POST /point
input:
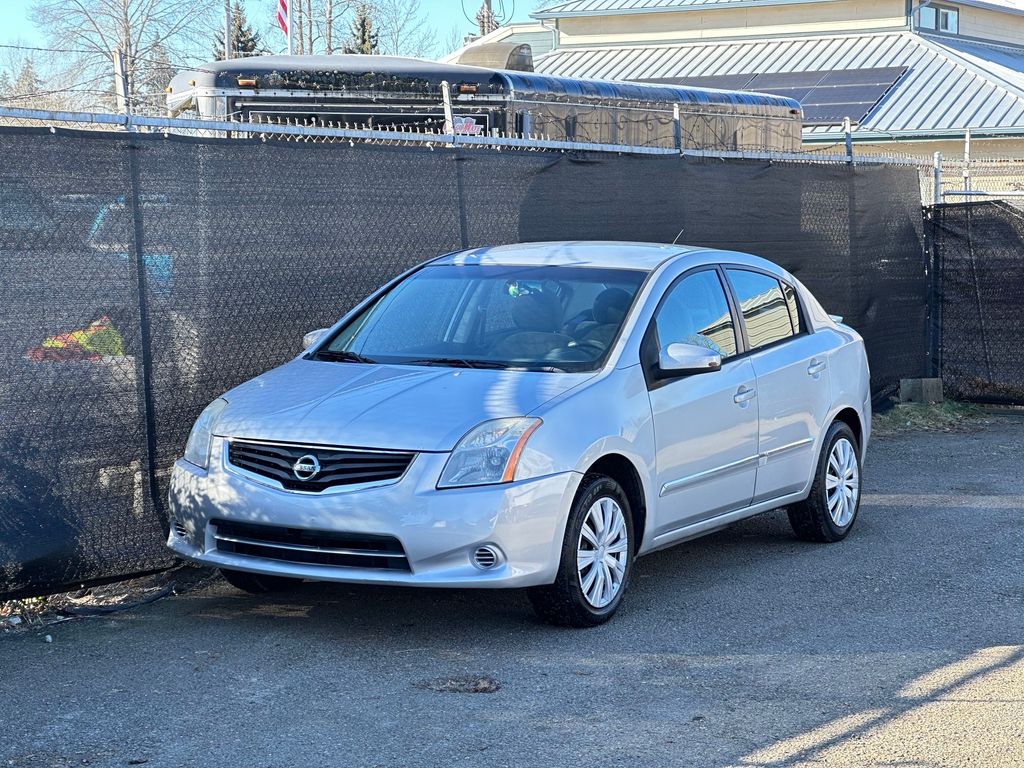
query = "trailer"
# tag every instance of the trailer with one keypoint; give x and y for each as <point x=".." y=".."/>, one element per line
<point x="391" y="92"/>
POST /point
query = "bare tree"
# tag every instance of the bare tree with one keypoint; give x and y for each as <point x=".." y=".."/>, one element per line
<point x="404" y="29"/>
<point x="452" y="41"/>
<point x="328" y="27"/>
<point x="315" y="24"/>
<point x="145" y="30"/>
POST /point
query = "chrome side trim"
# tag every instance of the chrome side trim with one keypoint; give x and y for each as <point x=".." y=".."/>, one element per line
<point x="787" y="447"/>
<point x="761" y="459"/>
<point x="682" y="482"/>
<point x="304" y="547"/>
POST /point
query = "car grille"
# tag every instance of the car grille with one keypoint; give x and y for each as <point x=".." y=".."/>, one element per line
<point x="338" y="466"/>
<point x="310" y="547"/>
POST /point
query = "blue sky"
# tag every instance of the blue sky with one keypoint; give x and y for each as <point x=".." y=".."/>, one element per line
<point x="443" y="14"/>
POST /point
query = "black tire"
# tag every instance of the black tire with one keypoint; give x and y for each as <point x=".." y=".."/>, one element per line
<point x="563" y="603"/>
<point x="258" y="583"/>
<point x="810" y="518"/>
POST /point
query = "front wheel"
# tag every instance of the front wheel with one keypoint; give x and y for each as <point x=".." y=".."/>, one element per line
<point x="597" y="558"/>
<point x="829" y="511"/>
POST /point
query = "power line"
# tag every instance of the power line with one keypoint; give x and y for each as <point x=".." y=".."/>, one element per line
<point x="53" y="50"/>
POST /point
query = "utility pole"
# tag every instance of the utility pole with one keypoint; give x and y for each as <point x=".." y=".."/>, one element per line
<point x="329" y="27"/>
<point x="124" y="102"/>
<point x="227" y="29"/>
<point x="485" y="19"/>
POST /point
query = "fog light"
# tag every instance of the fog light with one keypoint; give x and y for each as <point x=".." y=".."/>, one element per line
<point x="486" y="557"/>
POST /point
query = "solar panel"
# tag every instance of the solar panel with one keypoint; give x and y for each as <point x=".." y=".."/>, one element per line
<point x="787" y="79"/>
<point x="827" y="96"/>
<point x="724" y="82"/>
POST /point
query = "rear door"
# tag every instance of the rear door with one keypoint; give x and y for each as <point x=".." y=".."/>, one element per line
<point x="792" y="369"/>
<point x="705" y="424"/>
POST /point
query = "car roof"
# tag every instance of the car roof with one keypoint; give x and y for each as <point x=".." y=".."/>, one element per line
<point x="583" y="253"/>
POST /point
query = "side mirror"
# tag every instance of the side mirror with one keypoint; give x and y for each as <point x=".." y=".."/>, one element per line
<point x="313" y="337"/>
<point x="686" y="359"/>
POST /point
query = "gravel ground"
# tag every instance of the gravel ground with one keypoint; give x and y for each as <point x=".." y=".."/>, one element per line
<point x="902" y="646"/>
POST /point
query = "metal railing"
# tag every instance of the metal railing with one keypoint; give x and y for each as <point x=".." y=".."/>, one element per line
<point x="298" y="131"/>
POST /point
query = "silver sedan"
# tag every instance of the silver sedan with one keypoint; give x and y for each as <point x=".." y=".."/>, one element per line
<point x="532" y="416"/>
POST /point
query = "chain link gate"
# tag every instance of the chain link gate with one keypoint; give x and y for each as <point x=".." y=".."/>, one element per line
<point x="977" y="252"/>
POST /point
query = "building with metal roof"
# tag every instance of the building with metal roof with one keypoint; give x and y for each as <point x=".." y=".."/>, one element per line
<point x="912" y="77"/>
<point x="567" y="8"/>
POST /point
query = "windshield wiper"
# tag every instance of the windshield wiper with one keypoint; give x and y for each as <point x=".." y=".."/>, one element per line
<point x="333" y="356"/>
<point x="545" y="369"/>
<point x="458" y="362"/>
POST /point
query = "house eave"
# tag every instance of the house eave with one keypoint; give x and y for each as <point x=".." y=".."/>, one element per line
<point x="866" y="135"/>
<point x="544" y="14"/>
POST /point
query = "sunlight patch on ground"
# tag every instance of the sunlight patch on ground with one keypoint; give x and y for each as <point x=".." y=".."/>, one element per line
<point x="966" y="712"/>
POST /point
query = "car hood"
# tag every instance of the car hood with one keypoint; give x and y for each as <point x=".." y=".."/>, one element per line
<point x="412" y="408"/>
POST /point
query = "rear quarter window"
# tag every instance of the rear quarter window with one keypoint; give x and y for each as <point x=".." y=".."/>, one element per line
<point x="765" y="309"/>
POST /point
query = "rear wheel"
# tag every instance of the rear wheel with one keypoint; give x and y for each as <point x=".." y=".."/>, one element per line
<point x="597" y="558"/>
<point x="258" y="583"/>
<point x="829" y="511"/>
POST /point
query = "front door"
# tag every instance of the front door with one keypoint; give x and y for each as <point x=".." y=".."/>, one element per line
<point x="705" y="424"/>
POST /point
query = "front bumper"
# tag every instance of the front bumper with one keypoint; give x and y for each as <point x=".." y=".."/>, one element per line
<point x="439" y="530"/>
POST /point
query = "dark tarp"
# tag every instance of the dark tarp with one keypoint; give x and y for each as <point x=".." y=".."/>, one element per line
<point x="211" y="258"/>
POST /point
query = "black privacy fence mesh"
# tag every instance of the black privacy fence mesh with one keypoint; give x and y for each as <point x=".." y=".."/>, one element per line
<point x="141" y="277"/>
<point x="978" y="296"/>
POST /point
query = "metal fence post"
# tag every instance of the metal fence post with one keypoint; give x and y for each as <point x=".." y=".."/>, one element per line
<point x="449" y="117"/>
<point x="133" y="201"/>
<point x="967" y="160"/>
<point x="932" y="230"/>
<point x="937" y="178"/>
<point x="460" y="159"/>
<point x="677" y="128"/>
<point x="848" y="134"/>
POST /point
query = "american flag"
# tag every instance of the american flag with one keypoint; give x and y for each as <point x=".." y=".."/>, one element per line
<point x="282" y="15"/>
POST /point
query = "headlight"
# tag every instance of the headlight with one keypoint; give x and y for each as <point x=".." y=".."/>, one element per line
<point x="197" y="449"/>
<point x="488" y="454"/>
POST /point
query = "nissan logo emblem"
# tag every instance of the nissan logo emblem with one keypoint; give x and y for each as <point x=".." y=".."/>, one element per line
<point x="307" y="467"/>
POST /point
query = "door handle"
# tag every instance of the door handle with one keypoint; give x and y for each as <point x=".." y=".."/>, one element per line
<point x="743" y="394"/>
<point x="816" y="367"/>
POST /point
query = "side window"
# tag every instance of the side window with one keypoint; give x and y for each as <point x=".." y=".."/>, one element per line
<point x="766" y="312"/>
<point x="695" y="311"/>
<point x="794" y="309"/>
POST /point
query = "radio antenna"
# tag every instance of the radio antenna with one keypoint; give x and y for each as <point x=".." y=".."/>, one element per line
<point x="676" y="240"/>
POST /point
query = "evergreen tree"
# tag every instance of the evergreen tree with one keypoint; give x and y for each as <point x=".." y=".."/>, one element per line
<point x="151" y="81"/>
<point x="245" y="41"/>
<point x="28" y="86"/>
<point x="363" y="38"/>
<point x="5" y="84"/>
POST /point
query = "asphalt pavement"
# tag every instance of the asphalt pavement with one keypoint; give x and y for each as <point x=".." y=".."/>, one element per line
<point x="901" y="646"/>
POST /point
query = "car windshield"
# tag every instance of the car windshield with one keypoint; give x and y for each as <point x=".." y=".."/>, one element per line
<point x="547" y="318"/>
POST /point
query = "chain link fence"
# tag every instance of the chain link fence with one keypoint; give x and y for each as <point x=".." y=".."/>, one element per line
<point x="142" y="274"/>
<point x="962" y="180"/>
<point x="978" y="284"/>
